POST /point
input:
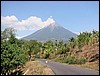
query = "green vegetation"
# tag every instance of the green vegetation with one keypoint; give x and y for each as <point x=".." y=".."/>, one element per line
<point x="75" y="60"/>
<point x="16" y="52"/>
<point x="11" y="54"/>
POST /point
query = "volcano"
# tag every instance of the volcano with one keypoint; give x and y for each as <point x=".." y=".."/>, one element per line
<point x="52" y="32"/>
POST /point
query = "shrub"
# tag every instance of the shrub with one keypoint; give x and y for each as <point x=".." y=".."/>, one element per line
<point x="75" y="60"/>
<point x="68" y="49"/>
<point x="11" y="57"/>
<point x="59" y="51"/>
<point x="71" y="60"/>
<point x="82" y="61"/>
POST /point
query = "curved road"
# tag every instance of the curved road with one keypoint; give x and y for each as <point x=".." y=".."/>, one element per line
<point x="63" y="69"/>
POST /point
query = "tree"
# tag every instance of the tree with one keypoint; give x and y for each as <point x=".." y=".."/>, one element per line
<point x="60" y="43"/>
<point x="11" y="54"/>
<point x="56" y="43"/>
<point x="48" y="48"/>
<point x="11" y="57"/>
<point x="28" y="48"/>
<point x="7" y="33"/>
<point x="32" y="48"/>
<point x="95" y="35"/>
<point x="71" y="43"/>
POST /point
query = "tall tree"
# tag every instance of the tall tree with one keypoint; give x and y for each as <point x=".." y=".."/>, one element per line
<point x="11" y="54"/>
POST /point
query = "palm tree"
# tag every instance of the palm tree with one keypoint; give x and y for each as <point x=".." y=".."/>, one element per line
<point x="72" y="42"/>
<point x="56" y="44"/>
<point x="95" y="35"/>
<point x="88" y="38"/>
<point x="60" y="43"/>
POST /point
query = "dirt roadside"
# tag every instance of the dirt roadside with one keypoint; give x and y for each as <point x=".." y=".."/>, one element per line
<point x="36" y="68"/>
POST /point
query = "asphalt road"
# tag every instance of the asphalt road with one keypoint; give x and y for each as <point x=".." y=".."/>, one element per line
<point x="64" y="69"/>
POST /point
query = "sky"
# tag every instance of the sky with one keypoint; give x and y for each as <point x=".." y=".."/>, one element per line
<point x="29" y="16"/>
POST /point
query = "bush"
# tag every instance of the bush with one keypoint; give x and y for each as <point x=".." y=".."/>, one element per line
<point x="82" y="61"/>
<point x="37" y="56"/>
<point x="68" y="49"/>
<point x="71" y="60"/>
<point x="11" y="57"/>
<point x="75" y="60"/>
<point x="60" y="60"/>
<point x="59" y="51"/>
<point x="66" y="54"/>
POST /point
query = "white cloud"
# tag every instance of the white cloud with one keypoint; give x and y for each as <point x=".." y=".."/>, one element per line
<point x="12" y="21"/>
<point x="50" y="16"/>
<point x="31" y="23"/>
<point x="78" y="33"/>
<point x="49" y="20"/>
<point x="18" y="37"/>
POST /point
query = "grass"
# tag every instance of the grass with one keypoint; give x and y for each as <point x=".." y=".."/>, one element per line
<point x="36" y="68"/>
<point x="91" y="66"/>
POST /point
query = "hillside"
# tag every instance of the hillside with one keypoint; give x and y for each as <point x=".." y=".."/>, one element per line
<point x="91" y="53"/>
<point x="84" y="51"/>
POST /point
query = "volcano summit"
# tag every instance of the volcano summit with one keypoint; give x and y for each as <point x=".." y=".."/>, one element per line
<point x="52" y="32"/>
